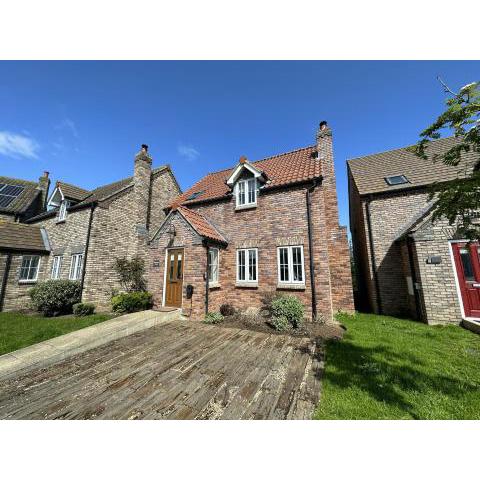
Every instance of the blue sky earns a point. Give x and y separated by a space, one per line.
84 121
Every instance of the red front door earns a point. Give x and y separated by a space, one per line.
467 263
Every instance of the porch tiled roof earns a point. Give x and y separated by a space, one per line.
201 225
281 170
18 236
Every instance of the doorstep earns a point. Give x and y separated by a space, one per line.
470 324
59 348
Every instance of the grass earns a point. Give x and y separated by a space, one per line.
387 368
18 330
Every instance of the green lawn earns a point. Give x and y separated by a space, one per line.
387 368
18 330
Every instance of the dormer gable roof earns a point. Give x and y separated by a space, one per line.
242 166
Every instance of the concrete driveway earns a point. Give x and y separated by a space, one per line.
176 370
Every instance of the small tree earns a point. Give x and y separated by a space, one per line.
457 200
131 273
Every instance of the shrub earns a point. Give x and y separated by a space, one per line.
227 309
132 302
280 323
55 297
213 318
131 273
290 307
83 309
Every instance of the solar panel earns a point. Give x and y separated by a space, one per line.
8 193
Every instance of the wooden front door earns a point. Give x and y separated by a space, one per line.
174 278
467 264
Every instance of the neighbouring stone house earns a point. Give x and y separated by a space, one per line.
81 233
264 226
407 265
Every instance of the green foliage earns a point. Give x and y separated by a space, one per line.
280 323
213 318
83 309
458 200
132 302
290 307
55 297
131 273
227 310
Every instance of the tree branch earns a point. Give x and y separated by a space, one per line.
446 87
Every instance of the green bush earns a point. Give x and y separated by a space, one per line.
83 309
132 302
55 297
213 318
227 310
280 323
290 307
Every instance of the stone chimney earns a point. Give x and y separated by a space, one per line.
325 156
141 188
44 186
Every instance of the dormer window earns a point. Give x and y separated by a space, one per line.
246 192
62 212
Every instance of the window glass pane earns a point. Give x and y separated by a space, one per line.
251 190
252 265
179 266
297 264
213 267
241 264
172 266
467 265
79 267
241 193
284 265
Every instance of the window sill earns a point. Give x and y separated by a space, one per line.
213 285
60 221
26 282
246 284
246 207
290 286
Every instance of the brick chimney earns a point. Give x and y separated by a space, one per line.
325 156
141 188
44 186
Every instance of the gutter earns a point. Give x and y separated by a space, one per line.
87 244
372 256
4 280
310 248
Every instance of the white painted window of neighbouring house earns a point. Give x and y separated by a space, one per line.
246 192
62 212
56 266
247 265
76 266
291 267
213 264
29 268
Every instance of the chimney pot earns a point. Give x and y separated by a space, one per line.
46 174
243 159
144 147
323 125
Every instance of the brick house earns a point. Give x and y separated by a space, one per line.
81 232
407 265
268 225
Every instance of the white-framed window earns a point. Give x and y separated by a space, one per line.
246 192
213 264
247 265
56 266
76 266
62 212
291 267
29 268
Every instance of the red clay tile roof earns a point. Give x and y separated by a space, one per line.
201 225
283 169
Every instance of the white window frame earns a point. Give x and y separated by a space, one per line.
214 268
290 280
62 211
56 267
76 266
245 183
247 279
28 268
